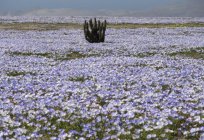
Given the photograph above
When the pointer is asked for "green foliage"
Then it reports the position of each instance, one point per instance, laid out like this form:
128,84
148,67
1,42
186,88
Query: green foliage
18,73
30,54
71,55
66,56
79,79
165,87
196,53
95,31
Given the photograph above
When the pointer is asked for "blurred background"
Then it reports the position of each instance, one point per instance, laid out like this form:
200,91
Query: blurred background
138,8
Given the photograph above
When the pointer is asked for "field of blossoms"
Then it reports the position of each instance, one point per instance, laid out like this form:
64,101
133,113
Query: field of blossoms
143,83
78,19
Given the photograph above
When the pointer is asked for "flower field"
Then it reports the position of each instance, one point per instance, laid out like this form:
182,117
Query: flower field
143,83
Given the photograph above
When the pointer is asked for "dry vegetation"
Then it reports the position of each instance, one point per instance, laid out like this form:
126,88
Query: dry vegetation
56,26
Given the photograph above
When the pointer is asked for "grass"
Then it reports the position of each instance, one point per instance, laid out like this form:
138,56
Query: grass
16,53
39,26
158,68
165,87
62,57
152,25
18,73
56,26
79,79
196,53
73,55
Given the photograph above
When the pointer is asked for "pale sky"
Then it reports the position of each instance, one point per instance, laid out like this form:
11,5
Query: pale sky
142,8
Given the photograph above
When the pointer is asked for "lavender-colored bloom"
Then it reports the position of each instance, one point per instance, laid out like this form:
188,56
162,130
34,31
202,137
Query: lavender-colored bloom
142,79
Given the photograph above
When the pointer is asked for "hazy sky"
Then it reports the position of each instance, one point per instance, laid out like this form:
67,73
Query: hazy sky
148,8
